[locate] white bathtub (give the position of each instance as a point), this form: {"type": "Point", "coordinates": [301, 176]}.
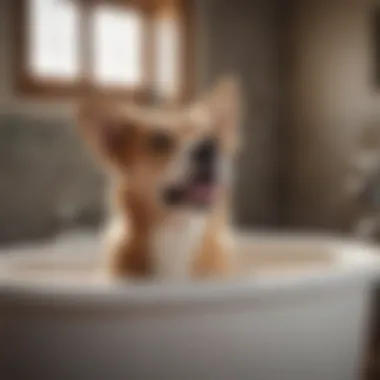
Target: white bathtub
{"type": "Point", "coordinates": [298, 313]}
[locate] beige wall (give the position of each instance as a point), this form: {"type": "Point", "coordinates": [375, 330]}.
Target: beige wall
{"type": "Point", "coordinates": [330, 100]}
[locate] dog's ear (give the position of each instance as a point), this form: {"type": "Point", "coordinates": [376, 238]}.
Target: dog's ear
{"type": "Point", "coordinates": [106, 129]}
{"type": "Point", "coordinates": [223, 102]}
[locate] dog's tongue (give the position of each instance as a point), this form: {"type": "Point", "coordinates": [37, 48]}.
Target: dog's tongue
{"type": "Point", "coordinates": [202, 193]}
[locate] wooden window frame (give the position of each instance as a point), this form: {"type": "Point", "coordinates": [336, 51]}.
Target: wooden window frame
{"type": "Point", "coordinates": [27, 84]}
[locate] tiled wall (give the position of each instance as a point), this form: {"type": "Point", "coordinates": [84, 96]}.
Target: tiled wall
{"type": "Point", "coordinates": [47, 182]}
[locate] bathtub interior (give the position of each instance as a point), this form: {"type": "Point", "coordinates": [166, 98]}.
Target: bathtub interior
{"type": "Point", "coordinates": [72, 260]}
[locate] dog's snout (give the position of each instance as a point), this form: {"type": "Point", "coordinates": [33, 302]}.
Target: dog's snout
{"type": "Point", "coordinates": [204, 161]}
{"type": "Point", "coordinates": [205, 152]}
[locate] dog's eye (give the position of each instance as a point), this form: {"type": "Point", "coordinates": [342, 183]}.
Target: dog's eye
{"type": "Point", "coordinates": [161, 142]}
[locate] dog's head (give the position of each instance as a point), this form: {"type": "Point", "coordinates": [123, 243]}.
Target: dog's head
{"type": "Point", "coordinates": [178, 157]}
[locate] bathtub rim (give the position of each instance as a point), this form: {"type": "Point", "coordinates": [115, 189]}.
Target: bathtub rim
{"type": "Point", "coordinates": [269, 287]}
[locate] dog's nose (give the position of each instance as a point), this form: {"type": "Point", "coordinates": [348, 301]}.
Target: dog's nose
{"type": "Point", "coordinates": [205, 152]}
{"type": "Point", "coordinates": [204, 161]}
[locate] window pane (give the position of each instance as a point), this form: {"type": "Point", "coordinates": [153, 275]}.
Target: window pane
{"type": "Point", "coordinates": [117, 46]}
{"type": "Point", "coordinates": [53, 38]}
{"type": "Point", "coordinates": [167, 52]}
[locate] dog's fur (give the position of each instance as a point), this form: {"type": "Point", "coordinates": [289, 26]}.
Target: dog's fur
{"type": "Point", "coordinates": [146, 237]}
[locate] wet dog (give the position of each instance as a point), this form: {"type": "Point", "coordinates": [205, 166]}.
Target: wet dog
{"type": "Point", "coordinates": [171, 176]}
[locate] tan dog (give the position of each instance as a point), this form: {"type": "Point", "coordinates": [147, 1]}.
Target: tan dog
{"type": "Point", "coordinates": [171, 173]}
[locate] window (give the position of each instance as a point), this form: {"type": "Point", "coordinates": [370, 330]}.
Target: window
{"type": "Point", "coordinates": [130, 48]}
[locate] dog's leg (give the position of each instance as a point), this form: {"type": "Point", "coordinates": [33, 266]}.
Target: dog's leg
{"type": "Point", "coordinates": [128, 258]}
{"type": "Point", "coordinates": [127, 254]}
{"type": "Point", "coordinates": [215, 256]}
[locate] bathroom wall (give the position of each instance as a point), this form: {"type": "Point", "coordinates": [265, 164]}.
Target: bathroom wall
{"type": "Point", "coordinates": [330, 98]}
{"type": "Point", "coordinates": [244, 37]}
{"type": "Point", "coordinates": [47, 182]}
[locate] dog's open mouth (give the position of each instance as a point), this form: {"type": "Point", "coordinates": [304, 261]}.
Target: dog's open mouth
{"type": "Point", "coordinates": [201, 193]}
{"type": "Point", "coordinates": [195, 194]}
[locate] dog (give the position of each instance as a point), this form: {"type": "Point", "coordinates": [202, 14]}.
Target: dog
{"type": "Point", "coordinates": [171, 182]}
